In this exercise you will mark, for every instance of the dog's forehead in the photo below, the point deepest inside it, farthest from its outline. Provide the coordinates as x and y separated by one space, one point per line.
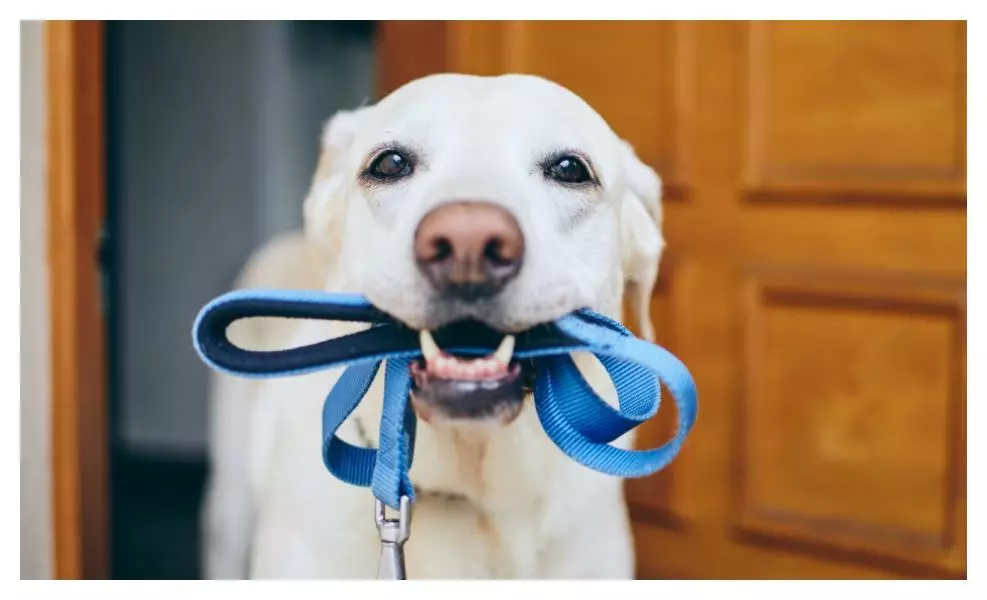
519 107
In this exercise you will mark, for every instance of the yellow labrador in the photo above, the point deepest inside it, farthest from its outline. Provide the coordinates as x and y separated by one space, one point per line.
506 200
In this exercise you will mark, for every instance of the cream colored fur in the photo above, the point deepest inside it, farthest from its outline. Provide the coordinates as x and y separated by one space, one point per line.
499 501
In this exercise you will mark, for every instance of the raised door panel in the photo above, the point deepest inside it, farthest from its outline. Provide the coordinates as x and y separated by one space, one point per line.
865 107
849 431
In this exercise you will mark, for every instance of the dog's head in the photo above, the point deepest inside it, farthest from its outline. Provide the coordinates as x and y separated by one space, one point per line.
506 201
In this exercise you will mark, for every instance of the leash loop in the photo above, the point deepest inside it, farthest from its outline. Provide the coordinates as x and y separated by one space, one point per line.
573 416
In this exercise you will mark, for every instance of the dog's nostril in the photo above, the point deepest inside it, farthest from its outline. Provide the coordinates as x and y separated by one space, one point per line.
493 252
442 249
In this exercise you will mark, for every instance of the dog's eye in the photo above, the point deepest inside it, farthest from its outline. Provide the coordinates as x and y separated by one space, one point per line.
390 165
568 169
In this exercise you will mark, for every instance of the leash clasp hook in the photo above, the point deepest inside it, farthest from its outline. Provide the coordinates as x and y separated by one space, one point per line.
393 534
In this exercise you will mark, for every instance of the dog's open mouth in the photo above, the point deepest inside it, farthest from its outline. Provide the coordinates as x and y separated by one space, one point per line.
456 387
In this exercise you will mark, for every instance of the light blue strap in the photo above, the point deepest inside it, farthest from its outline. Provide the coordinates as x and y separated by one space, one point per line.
396 444
584 446
349 463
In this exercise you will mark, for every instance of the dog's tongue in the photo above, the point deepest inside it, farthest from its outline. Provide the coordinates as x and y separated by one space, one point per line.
446 366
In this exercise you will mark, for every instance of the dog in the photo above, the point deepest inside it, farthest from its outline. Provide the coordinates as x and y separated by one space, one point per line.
506 200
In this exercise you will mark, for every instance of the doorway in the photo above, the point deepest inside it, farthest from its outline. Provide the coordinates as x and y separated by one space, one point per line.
212 133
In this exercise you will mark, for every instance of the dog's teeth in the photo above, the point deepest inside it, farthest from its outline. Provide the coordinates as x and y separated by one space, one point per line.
505 350
429 348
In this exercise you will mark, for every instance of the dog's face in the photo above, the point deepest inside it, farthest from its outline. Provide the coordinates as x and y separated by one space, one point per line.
506 201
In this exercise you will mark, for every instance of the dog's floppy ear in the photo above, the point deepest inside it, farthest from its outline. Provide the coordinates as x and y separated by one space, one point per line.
641 240
324 208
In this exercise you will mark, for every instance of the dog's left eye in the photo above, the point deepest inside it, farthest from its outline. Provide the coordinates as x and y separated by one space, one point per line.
568 169
390 165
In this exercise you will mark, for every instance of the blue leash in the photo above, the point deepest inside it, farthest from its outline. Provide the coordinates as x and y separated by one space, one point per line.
578 421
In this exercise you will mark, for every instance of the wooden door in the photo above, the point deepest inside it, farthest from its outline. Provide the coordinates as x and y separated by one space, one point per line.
814 281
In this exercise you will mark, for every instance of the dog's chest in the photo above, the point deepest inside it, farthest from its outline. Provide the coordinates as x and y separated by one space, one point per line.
452 539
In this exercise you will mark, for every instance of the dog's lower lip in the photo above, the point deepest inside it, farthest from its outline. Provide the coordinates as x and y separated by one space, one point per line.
498 398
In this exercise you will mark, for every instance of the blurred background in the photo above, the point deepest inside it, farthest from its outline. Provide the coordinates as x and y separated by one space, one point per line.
814 282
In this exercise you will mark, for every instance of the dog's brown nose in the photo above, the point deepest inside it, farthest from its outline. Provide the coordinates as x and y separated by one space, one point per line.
469 250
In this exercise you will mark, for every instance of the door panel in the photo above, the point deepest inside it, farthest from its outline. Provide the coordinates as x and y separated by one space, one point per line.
863 106
814 282
846 422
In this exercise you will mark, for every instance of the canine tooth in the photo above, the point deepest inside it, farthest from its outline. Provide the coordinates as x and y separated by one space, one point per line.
505 350
429 348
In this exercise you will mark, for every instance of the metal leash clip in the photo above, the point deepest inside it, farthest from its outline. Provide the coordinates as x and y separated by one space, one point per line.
393 534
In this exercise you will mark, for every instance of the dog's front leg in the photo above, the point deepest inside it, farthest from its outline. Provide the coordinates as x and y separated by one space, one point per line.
315 529
597 545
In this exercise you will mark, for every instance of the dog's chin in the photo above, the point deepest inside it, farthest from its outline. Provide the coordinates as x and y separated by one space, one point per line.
462 403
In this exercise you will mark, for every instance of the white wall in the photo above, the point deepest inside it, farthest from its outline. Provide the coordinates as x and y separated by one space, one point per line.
36 547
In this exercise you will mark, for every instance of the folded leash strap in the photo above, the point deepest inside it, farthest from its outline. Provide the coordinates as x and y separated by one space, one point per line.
574 417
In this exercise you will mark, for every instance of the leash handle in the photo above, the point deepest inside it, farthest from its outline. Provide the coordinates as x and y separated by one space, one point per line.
384 339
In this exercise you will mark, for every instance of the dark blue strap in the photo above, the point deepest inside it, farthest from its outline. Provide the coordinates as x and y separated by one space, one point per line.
574 417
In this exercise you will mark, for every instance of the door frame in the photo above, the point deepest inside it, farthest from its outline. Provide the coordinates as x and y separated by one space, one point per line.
76 202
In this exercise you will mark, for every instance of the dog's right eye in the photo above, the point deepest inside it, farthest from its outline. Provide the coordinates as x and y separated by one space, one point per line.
390 164
569 169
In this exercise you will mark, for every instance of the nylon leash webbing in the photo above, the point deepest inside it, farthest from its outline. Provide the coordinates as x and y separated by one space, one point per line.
578 421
